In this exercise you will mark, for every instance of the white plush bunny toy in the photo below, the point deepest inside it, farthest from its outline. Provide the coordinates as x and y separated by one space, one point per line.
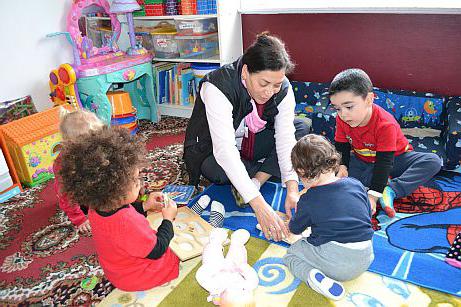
229 279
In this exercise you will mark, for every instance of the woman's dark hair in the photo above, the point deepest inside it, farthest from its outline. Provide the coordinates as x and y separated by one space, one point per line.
267 53
99 167
314 155
352 80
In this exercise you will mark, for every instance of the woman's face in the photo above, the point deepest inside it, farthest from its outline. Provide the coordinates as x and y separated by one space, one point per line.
264 84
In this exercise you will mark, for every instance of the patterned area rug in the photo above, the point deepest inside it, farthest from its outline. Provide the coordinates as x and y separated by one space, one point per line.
411 247
43 260
278 287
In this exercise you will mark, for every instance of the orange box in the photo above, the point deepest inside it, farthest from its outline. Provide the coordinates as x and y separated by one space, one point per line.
34 142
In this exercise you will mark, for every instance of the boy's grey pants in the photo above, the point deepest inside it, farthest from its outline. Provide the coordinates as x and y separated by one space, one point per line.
410 170
335 261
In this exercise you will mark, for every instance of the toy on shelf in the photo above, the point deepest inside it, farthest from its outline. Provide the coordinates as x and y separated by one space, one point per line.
230 280
123 113
33 143
63 87
190 232
97 69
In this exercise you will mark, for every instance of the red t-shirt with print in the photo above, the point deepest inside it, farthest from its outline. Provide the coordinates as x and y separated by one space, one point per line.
123 240
382 133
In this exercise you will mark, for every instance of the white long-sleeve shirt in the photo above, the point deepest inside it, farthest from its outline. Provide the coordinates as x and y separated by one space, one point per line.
223 135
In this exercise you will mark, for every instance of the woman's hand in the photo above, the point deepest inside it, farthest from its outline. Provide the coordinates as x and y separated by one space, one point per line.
342 172
271 224
154 202
84 228
292 198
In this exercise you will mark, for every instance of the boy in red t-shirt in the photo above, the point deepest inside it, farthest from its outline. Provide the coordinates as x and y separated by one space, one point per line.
379 146
101 170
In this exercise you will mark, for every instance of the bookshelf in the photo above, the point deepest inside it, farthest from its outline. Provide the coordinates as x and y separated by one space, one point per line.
230 45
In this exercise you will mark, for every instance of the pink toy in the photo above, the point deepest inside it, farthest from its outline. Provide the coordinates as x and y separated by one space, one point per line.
96 61
98 69
228 279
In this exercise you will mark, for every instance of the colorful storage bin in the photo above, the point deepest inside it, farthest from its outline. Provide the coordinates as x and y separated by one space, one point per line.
155 9
189 7
171 7
198 46
206 7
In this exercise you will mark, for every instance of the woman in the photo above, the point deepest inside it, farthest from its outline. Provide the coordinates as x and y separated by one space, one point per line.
245 113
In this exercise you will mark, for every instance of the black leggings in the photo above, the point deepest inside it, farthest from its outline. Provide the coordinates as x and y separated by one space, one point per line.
264 148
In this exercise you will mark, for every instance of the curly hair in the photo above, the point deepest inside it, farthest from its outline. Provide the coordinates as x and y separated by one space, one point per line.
314 155
98 167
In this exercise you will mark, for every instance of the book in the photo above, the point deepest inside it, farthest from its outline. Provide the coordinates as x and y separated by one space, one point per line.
180 194
187 79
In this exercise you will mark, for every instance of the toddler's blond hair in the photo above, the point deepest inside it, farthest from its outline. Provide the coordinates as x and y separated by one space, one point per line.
74 124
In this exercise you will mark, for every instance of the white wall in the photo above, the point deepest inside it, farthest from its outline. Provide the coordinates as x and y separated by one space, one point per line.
26 55
423 6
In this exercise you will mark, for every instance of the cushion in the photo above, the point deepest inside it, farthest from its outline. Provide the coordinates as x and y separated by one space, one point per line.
309 92
428 144
453 133
417 110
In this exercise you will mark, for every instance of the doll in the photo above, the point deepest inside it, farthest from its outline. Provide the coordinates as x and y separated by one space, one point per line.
229 280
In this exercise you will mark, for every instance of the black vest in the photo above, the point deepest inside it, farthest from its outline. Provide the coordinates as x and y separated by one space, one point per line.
197 145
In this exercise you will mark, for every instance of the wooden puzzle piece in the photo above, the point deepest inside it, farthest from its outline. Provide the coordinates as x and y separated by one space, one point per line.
191 232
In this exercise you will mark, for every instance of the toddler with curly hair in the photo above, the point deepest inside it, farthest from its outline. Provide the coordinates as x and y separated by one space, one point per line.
339 214
100 169
73 125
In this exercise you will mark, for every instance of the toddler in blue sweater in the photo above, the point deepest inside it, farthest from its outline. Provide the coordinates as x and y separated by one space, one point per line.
339 214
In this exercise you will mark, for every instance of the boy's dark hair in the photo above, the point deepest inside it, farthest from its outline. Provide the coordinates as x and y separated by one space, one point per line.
98 167
352 80
314 155
267 53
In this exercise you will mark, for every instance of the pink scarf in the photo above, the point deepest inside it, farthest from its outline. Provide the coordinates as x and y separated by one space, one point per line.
255 124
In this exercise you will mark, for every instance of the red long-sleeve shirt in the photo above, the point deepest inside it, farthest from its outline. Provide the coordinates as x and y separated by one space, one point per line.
72 210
